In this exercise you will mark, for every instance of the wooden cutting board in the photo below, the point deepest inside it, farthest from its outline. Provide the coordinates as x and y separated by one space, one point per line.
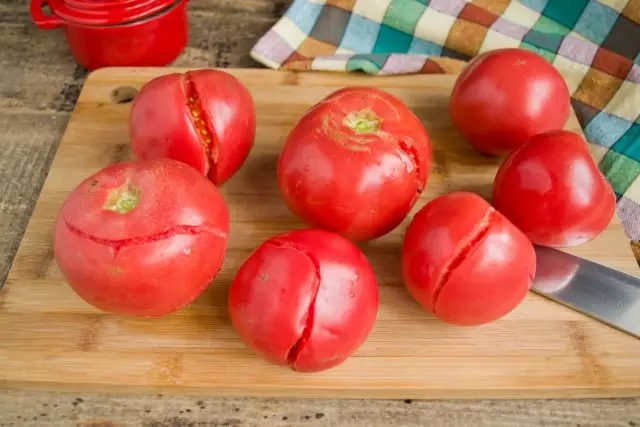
51 339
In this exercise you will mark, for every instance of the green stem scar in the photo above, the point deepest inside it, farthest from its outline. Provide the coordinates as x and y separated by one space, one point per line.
123 199
362 122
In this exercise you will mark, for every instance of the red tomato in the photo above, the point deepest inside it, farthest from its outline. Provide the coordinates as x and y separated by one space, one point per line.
204 118
552 190
504 97
306 299
355 163
465 262
141 238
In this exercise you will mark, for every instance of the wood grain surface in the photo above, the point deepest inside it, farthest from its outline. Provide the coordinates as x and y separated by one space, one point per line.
53 340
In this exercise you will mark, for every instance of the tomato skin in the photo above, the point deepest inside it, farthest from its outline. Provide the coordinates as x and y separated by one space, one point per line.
359 183
552 190
504 97
464 262
162 122
306 299
153 259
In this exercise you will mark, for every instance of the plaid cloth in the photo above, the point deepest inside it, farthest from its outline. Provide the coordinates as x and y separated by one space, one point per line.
594 44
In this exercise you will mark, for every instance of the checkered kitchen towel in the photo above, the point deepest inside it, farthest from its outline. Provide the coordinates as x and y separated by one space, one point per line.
595 44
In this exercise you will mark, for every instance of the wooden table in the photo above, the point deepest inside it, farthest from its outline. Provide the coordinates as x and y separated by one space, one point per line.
38 89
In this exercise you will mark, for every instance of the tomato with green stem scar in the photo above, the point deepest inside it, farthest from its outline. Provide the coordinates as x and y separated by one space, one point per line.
141 238
355 163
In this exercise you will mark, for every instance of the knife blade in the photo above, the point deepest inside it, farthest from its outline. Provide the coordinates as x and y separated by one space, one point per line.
601 292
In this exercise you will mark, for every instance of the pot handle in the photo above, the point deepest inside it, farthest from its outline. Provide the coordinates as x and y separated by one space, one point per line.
44 22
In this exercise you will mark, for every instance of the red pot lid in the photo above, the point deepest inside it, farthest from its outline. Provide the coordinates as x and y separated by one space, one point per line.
107 12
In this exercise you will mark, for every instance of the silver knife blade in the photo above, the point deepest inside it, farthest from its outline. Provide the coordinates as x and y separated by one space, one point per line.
601 292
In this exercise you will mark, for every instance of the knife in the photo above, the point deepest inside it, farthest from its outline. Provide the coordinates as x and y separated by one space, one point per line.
601 292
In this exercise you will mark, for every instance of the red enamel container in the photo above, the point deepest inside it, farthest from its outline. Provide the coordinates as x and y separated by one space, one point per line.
104 33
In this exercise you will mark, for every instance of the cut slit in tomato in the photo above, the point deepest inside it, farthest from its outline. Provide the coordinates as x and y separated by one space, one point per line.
204 129
473 240
298 346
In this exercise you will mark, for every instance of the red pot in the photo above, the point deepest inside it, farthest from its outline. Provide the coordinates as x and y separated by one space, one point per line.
104 33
